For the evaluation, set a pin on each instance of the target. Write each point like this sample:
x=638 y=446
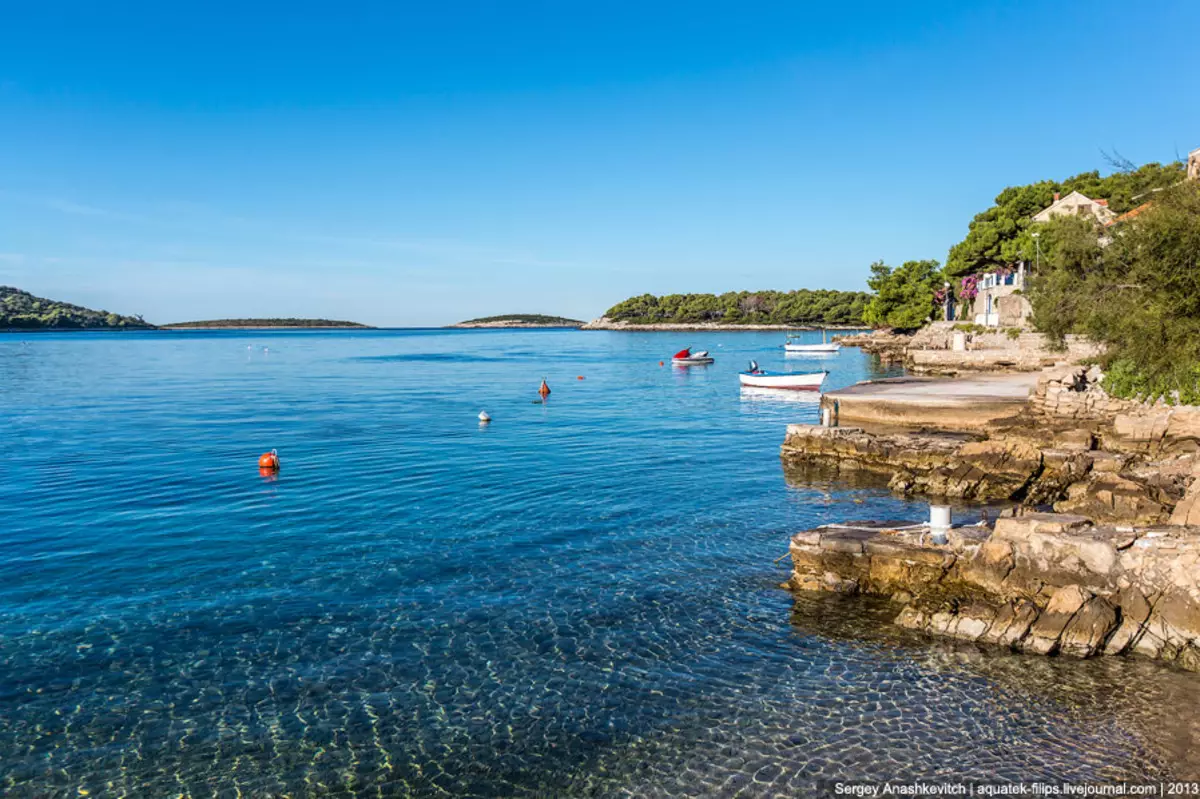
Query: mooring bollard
x=939 y=523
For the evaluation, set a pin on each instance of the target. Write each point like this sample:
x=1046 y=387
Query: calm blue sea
x=579 y=599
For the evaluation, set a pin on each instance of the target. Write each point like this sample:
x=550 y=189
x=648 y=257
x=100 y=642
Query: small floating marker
x=544 y=389
x=269 y=461
x=484 y=418
x=579 y=378
x=660 y=363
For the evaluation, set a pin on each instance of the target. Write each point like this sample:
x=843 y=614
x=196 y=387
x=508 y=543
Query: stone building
x=1001 y=299
x=1076 y=204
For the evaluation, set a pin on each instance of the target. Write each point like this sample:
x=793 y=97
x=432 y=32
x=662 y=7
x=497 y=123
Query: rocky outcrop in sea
x=1113 y=569
x=1040 y=583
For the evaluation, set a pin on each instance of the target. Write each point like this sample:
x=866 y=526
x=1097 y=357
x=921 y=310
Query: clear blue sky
x=419 y=163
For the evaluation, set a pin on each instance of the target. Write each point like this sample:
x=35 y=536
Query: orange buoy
x=579 y=378
x=660 y=363
x=269 y=461
x=544 y=389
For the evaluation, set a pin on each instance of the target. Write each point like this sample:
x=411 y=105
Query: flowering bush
x=970 y=287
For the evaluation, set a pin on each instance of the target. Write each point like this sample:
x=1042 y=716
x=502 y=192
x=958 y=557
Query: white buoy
x=939 y=523
x=483 y=417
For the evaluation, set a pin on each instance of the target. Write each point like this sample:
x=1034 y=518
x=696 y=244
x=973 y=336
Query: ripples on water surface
x=577 y=600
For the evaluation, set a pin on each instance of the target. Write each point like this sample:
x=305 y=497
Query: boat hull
x=755 y=394
x=812 y=349
x=691 y=361
x=791 y=382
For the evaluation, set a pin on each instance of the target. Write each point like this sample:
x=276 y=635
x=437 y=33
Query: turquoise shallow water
x=577 y=600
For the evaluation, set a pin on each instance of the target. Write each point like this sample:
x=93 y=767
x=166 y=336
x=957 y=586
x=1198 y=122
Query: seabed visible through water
x=577 y=599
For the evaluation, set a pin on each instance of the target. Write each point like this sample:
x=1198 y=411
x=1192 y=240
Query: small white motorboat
x=686 y=357
x=826 y=347
x=787 y=380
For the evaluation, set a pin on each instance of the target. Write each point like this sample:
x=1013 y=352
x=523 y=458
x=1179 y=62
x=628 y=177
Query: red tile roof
x=1132 y=213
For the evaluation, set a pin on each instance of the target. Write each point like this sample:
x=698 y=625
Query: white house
x=1000 y=301
x=1076 y=204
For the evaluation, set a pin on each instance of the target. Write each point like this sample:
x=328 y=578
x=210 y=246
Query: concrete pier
x=970 y=403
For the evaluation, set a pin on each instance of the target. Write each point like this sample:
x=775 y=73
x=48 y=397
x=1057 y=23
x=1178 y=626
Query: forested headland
x=802 y=307
x=20 y=310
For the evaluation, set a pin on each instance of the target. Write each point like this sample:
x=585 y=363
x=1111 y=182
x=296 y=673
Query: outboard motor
x=753 y=366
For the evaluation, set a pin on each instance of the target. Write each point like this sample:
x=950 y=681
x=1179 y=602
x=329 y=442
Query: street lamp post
x=1038 y=252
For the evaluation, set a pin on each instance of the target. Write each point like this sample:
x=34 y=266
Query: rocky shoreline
x=1098 y=553
x=954 y=348
x=1040 y=583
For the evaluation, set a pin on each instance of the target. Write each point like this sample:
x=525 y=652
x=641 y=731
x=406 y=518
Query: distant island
x=521 y=320
x=20 y=310
x=259 y=324
x=744 y=310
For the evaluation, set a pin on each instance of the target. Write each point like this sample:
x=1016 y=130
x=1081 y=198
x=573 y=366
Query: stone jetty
x=1065 y=445
x=963 y=404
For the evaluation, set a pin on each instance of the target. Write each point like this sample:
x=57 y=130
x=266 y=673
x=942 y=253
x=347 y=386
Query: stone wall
x=1040 y=583
x=1076 y=394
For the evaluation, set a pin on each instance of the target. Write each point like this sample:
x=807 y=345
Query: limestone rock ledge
x=1042 y=583
x=1043 y=465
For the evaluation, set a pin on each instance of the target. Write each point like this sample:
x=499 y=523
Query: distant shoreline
x=169 y=328
x=266 y=324
x=519 y=321
x=609 y=324
x=513 y=326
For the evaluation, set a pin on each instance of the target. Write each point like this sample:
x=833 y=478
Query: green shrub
x=904 y=296
x=1138 y=295
x=1127 y=380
